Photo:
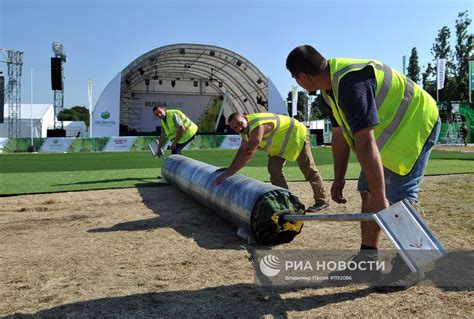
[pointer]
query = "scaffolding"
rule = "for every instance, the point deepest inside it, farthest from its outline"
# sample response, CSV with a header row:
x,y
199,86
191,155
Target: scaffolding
x,y
14,61
452,136
59,52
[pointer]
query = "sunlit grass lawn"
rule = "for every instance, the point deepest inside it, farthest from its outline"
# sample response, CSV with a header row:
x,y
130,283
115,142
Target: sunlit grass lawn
x,y
42,173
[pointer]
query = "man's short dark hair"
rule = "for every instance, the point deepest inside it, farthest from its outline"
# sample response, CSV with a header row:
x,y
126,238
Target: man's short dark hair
x,y
232,116
158,107
305,59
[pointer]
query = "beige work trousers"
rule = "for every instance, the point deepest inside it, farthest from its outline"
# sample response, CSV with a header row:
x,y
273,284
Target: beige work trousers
x,y
308,168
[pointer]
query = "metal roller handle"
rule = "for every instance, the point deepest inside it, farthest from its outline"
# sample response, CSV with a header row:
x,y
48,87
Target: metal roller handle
x,y
353,217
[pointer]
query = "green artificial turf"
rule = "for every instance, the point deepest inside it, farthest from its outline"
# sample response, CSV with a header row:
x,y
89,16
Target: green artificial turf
x,y
42,173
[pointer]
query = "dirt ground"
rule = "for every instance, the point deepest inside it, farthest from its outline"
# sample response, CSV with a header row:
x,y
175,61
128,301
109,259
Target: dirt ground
x,y
154,252
458,148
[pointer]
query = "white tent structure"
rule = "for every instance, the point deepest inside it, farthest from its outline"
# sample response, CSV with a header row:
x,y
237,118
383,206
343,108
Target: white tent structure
x,y
42,115
189,77
74,127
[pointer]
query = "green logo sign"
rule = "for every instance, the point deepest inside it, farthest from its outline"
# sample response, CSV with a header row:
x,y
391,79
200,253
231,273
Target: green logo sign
x,y
105,115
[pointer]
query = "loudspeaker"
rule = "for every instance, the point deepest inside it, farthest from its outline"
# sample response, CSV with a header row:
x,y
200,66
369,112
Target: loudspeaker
x,y
56,133
319,136
2,97
56,74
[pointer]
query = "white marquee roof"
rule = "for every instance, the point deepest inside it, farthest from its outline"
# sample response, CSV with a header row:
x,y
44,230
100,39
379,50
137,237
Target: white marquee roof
x,y
215,70
39,110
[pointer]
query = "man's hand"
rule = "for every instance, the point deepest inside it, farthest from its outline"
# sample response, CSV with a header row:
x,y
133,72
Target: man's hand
x,y
373,204
225,174
159,152
336,191
173,146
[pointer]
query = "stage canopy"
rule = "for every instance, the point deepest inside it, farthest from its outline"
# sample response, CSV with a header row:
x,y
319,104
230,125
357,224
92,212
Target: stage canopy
x,y
190,77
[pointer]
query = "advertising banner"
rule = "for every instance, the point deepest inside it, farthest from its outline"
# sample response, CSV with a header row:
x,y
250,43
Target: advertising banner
x,y
440,73
471,74
3,142
106,112
191,105
294,100
120,144
56,145
231,141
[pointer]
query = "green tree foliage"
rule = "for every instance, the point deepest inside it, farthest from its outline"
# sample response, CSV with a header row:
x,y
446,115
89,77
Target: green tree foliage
x,y
428,85
318,109
413,68
76,113
302,103
299,116
440,50
463,51
457,63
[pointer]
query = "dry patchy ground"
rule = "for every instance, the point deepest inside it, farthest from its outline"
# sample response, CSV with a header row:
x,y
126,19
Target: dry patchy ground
x,y
153,252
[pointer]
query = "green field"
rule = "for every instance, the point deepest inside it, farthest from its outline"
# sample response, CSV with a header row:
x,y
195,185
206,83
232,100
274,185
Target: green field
x,y
22,173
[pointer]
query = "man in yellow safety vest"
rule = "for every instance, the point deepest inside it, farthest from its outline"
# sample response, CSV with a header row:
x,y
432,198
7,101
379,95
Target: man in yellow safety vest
x,y
176,127
390,123
283,138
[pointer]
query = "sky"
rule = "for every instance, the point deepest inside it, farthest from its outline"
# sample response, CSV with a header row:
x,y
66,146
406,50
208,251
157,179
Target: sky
x,y
101,37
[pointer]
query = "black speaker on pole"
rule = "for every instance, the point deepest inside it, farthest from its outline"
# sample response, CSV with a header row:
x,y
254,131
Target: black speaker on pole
x,y
2,96
56,74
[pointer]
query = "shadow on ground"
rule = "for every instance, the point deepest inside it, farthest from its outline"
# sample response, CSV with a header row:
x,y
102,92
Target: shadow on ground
x,y
240,300
188,217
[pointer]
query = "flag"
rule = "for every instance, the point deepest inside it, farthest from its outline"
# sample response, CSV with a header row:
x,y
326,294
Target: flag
x,y
404,59
294,100
440,72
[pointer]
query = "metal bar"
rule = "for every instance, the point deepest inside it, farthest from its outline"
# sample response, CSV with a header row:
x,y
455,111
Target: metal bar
x,y
330,217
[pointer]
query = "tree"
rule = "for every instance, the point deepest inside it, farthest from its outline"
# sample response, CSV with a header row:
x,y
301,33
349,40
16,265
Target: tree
x,y
463,50
413,68
76,113
318,110
299,116
426,82
440,50
302,104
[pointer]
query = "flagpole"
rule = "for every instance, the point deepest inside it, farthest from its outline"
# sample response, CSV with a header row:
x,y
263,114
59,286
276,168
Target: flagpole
x,y
90,108
437,90
470,81
31,109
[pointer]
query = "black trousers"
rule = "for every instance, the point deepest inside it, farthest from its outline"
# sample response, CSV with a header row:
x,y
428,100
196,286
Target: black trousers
x,y
179,147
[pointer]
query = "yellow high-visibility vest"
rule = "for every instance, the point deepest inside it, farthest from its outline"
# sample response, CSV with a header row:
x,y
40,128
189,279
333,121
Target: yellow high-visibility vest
x,y
287,138
171,129
406,112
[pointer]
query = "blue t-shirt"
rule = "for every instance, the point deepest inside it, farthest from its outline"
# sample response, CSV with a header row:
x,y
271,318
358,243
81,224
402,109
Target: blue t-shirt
x,y
357,100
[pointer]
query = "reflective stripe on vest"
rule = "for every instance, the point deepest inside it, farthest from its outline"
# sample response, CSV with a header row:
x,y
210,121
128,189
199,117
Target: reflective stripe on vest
x,y
280,146
170,128
399,138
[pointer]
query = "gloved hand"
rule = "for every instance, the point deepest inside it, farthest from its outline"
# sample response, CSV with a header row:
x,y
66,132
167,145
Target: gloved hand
x,y
159,152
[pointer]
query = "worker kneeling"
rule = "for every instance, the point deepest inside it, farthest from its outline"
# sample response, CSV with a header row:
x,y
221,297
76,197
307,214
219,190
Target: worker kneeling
x,y
283,138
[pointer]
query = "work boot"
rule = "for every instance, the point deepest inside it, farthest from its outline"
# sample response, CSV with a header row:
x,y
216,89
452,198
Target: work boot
x,y
317,207
399,278
366,273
